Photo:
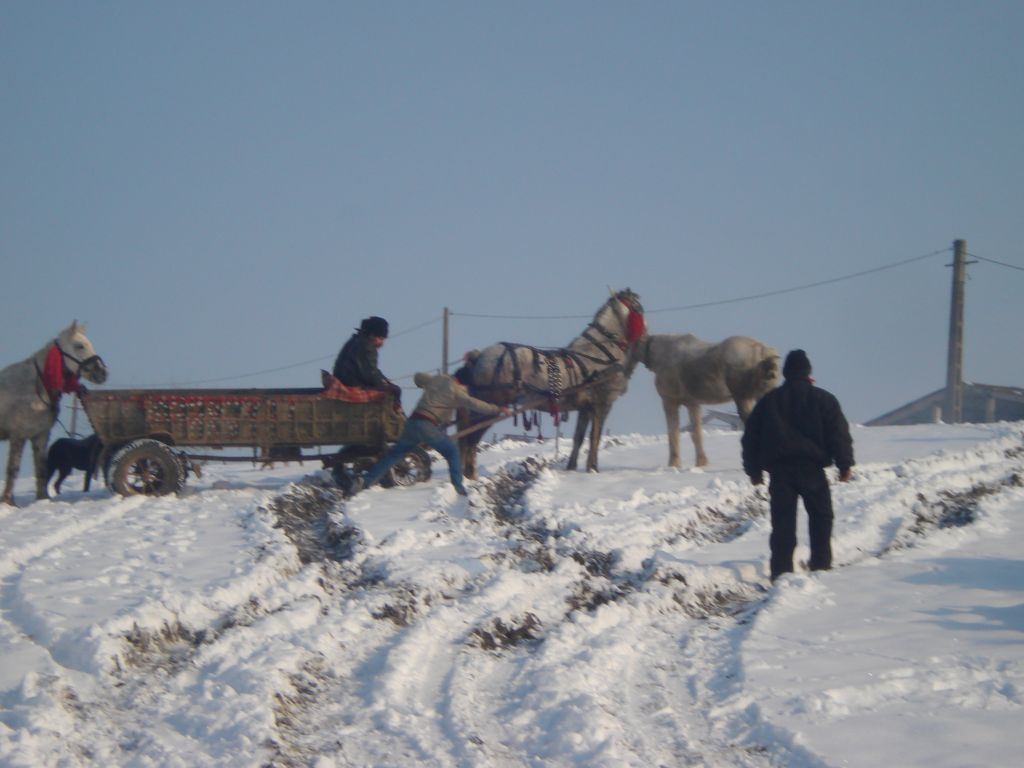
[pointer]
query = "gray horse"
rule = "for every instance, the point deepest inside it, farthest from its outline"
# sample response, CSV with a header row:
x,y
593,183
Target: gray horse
x,y
30,394
586,376
694,373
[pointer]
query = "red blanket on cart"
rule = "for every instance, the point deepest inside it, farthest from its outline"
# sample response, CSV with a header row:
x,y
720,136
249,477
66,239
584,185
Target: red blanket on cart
x,y
335,389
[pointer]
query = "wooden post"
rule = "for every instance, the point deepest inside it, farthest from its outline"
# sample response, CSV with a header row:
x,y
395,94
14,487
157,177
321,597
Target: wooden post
x,y
444,343
953,412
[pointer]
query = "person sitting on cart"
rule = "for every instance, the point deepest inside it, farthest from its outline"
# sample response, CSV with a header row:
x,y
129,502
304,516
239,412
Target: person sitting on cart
x,y
442,394
356,365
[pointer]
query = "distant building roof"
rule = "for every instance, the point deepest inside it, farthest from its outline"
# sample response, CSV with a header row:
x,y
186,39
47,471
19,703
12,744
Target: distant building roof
x,y
982,403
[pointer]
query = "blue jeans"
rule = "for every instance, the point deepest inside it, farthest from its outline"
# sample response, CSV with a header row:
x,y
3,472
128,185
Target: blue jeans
x,y
418,432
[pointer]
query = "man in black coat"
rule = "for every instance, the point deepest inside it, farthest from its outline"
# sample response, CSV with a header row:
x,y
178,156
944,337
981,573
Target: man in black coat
x,y
356,365
793,433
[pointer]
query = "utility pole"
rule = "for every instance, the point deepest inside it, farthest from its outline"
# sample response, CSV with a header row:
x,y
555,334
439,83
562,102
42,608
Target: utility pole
x,y
444,343
953,409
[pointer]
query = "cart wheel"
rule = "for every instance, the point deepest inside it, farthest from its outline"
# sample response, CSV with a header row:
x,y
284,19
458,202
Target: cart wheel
x,y
146,468
414,468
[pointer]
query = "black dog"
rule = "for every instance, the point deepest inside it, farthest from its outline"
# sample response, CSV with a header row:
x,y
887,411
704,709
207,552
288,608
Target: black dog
x,y
67,454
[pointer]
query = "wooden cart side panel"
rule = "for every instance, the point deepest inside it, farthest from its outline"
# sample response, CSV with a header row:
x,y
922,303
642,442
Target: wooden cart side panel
x,y
241,418
115,419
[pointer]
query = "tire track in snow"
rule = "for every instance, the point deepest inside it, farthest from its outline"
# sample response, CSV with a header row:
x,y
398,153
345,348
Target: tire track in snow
x,y
736,734
402,691
491,698
140,707
22,632
734,715
411,684
926,494
59,532
372,670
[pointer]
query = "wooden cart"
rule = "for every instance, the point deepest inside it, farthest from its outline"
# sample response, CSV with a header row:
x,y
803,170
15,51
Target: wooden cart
x,y
149,434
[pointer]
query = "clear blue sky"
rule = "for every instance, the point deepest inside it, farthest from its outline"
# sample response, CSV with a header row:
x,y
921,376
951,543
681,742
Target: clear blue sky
x,y
226,188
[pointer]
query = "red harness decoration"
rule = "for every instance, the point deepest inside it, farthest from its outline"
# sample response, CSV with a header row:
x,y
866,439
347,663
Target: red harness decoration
x,y
56,378
635,326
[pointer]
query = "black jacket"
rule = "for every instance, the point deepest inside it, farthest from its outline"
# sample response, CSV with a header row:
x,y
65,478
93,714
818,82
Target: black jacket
x,y
795,425
356,365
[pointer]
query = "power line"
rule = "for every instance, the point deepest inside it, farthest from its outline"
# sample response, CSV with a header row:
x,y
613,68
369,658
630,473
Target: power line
x,y
720,302
424,324
290,366
803,287
679,308
520,317
250,374
993,261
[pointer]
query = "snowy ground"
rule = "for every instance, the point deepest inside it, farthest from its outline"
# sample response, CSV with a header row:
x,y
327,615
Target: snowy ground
x,y
552,619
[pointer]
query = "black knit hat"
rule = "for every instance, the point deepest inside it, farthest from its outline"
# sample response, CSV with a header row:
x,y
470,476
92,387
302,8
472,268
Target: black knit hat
x,y
374,326
797,365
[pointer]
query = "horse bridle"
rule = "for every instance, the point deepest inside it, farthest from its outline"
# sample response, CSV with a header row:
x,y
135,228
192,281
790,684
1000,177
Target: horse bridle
x,y
87,364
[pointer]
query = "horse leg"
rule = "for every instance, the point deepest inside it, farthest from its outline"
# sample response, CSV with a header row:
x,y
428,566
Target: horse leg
x,y
697,433
15,447
596,427
39,443
672,424
582,420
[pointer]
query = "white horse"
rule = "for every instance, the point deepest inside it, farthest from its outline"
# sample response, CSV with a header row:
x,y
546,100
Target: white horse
x,y
30,394
585,376
694,373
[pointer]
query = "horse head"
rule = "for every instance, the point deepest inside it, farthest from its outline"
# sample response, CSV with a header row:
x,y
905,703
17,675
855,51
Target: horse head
x,y
629,313
80,357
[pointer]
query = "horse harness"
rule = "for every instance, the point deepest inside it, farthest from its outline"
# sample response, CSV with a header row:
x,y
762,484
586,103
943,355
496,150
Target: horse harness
x,y
574,361
47,377
583,369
